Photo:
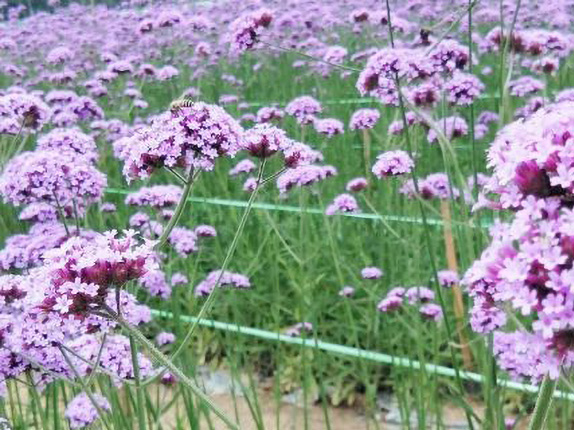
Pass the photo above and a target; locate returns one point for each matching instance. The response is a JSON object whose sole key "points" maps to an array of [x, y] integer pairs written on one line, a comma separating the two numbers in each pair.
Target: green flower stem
{"points": [[161, 359], [543, 403], [178, 210], [423, 215], [207, 305], [140, 403]]}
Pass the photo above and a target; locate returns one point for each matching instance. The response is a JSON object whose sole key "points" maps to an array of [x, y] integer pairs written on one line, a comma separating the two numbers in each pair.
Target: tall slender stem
{"points": [[206, 306], [140, 404], [160, 358], [178, 210], [543, 404], [425, 222], [367, 152]]}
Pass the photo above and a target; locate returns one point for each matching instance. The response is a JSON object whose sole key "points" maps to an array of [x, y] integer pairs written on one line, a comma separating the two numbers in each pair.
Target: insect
{"points": [[181, 103]]}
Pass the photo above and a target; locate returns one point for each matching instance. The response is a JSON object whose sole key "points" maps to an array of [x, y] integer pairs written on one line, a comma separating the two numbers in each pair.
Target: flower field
{"points": [[362, 210]]}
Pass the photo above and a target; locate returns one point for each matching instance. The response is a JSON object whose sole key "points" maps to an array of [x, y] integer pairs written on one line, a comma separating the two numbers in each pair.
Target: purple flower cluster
{"points": [[246, 30], [448, 278], [357, 184], [302, 176], [164, 338], [343, 203], [71, 140], [462, 89], [268, 114], [81, 411], [23, 110], [304, 109], [329, 126], [157, 196], [393, 163], [371, 273], [398, 297], [81, 272], [58, 178], [527, 269], [533, 157], [524, 86], [298, 329], [264, 140], [222, 280], [23, 251], [452, 127], [434, 186], [364, 118], [244, 166], [425, 94], [191, 136]]}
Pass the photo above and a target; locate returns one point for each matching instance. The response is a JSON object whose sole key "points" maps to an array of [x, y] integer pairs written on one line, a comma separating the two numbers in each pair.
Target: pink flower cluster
{"points": [[304, 109], [343, 203], [217, 279], [157, 196], [246, 30], [393, 163], [191, 136], [528, 267], [61, 179]]}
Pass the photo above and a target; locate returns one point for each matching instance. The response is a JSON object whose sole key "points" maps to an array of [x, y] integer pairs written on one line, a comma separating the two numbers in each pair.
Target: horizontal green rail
{"points": [[353, 352], [347, 101], [314, 211]]}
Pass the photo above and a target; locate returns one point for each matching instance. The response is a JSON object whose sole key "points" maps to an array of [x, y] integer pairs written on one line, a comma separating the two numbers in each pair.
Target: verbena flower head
{"points": [[347, 291], [329, 126], [533, 157], [343, 203], [393, 163], [378, 77], [419, 295], [448, 278], [371, 273], [264, 140], [69, 140], [452, 127], [304, 109], [178, 279], [462, 89], [357, 184], [299, 329], [437, 186], [53, 177], [448, 56], [431, 311], [24, 251], [246, 30], [82, 413], [524, 86], [364, 119], [303, 176], [426, 94], [80, 273], [528, 268], [40, 212], [205, 231], [26, 110], [157, 196], [547, 65], [164, 338], [194, 135], [268, 114], [244, 166], [226, 280]]}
